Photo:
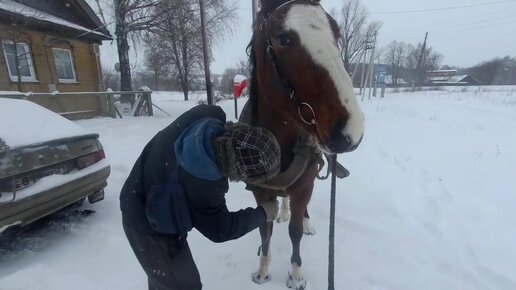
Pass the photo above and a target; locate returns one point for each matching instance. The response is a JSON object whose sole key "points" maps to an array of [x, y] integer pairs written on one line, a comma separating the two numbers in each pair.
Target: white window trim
{"points": [[66, 81], [14, 78]]}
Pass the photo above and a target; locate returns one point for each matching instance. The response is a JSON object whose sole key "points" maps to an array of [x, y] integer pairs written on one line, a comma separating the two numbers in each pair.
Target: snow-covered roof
{"points": [[443, 71], [30, 12], [438, 78], [457, 78], [24, 122]]}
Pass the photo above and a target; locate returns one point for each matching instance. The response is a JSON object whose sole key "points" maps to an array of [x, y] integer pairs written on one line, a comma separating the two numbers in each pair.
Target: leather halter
{"points": [[285, 84]]}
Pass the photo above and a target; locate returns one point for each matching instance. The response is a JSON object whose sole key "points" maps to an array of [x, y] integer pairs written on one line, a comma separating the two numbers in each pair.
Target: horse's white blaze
{"points": [[313, 27]]}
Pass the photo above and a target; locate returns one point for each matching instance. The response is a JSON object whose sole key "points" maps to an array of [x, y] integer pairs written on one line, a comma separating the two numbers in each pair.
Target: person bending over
{"points": [[179, 182]]}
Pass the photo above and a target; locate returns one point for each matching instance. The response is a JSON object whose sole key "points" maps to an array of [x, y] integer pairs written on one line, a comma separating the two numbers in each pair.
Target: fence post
{"points": [[148, 97], [111, 105]]}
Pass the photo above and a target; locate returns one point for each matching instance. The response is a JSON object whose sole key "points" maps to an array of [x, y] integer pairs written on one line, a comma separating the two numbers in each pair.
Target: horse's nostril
{"points": [[340, 142]]}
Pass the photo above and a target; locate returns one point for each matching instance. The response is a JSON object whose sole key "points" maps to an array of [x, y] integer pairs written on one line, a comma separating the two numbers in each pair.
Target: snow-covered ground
{"points": [[430, 204]]}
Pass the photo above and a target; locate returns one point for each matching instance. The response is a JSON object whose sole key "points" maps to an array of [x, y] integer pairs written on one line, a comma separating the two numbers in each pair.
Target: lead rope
{"points": [[331, 247]]}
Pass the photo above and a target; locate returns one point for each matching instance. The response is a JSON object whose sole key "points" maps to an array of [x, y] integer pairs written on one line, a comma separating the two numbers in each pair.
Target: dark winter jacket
{"points": [[204, 187]]}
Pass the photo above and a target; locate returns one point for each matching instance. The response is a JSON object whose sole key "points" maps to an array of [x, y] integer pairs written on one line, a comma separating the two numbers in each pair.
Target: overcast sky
{"points": [[465, 36]]}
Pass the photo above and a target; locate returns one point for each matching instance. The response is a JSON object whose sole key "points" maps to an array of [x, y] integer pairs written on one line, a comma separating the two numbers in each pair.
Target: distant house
{"points": [[50, 45], [389, 81], [463, 80], [449, 78]]}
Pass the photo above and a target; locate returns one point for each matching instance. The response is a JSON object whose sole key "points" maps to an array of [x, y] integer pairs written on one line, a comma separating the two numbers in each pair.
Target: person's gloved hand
{"points": [[271, 209]]}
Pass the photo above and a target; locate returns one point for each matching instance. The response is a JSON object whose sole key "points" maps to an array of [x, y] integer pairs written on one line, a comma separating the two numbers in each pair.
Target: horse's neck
{"points": [[284, 129]]}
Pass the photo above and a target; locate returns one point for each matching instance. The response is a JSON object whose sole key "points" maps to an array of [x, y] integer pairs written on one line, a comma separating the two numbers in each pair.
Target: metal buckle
{"points": [[312, 122]]}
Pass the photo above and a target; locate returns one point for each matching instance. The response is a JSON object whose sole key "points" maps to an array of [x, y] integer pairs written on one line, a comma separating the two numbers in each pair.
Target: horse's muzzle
{"points": [[341, 142]]}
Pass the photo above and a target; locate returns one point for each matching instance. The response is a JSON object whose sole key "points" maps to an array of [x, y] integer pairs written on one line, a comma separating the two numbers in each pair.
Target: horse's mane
{"points": [[253, 84]]}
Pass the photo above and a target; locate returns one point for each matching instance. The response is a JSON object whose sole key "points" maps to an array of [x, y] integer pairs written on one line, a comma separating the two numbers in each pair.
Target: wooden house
{"points": [[48, 46]]}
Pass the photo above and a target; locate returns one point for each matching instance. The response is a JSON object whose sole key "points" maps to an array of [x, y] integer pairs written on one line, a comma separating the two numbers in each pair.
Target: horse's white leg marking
{"points": [[262, 275], [308, 229], [314, 30], [284, 214], [295, 279]]}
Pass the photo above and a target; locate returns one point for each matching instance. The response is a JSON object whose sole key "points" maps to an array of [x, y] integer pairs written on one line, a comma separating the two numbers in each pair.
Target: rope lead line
{"points": [[331, 247]]}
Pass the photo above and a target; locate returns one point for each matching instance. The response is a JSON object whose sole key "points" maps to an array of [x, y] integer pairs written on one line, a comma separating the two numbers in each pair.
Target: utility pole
{"points": [[254, 6], [371, 68], [204, 33], [366, 47], [355, 69], [420, 60]]}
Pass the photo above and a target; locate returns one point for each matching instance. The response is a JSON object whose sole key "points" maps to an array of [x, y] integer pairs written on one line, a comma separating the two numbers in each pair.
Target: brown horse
{"points": [[299, 87]]}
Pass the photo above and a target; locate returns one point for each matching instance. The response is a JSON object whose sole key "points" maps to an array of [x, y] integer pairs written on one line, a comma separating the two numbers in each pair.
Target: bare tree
{"points": [[244, 68], [396, 57], [156, 60], [101, 12], [179, 34], [431, 60], [227, 80], [131, 16], [497, 71], [356, 32]]}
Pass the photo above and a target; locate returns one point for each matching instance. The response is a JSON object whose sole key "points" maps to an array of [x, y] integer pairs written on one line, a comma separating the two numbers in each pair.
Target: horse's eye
{"points": [[284, 40]]}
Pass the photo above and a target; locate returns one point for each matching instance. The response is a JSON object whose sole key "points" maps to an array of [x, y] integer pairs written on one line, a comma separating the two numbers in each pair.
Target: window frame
{"points": [[30, 62], [65, 81]]}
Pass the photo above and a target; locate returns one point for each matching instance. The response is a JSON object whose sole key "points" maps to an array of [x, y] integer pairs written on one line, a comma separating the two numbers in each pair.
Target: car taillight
{"points": [[90, 159]]}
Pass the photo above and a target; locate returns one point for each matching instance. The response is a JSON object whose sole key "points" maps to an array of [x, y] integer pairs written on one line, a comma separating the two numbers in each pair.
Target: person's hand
{"points": [[271, 209]]}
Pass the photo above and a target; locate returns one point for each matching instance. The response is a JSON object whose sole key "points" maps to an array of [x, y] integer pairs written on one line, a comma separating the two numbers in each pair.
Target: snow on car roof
{"points": [[24, 123]]}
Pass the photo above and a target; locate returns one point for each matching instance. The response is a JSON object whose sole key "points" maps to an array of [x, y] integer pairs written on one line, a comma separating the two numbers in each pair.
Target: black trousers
{"points": [[166, 259]]}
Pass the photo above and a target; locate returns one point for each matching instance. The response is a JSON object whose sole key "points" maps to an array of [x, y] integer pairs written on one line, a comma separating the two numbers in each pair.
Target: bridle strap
{"points": [[272, 59], [266, 18], [284, 83]]}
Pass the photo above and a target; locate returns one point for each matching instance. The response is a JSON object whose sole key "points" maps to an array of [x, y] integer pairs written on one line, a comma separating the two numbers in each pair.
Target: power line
{"points": [[441, 9], [450, 27], [474, 27]]}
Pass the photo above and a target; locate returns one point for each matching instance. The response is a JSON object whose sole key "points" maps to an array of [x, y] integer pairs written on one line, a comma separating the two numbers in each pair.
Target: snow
{"points": [[27, 11], [238, 79], [11, 93], [24, 123], [429, 205]]}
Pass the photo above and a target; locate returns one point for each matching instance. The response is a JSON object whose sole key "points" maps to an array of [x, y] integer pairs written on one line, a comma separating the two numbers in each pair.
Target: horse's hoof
{"points": [[298, 284], [259, 279]]}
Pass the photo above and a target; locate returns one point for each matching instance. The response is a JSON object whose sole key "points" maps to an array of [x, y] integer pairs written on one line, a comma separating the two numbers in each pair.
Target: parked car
{"points": [[46, 163]]}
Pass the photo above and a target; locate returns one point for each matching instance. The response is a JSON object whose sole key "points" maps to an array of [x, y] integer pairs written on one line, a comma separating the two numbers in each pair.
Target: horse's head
{"points": [[298, 70]]}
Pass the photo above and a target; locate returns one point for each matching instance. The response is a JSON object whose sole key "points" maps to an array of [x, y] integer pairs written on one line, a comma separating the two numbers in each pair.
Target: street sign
{"points": [[239, 84], [382, 72]]}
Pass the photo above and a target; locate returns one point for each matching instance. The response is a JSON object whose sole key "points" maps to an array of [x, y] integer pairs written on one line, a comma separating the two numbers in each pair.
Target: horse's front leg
{"points": [[299, 199], [263, 275]]}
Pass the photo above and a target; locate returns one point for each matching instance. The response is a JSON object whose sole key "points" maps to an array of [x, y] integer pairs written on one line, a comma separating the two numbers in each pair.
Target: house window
{"points": [[20, 51], [64, 65]]}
